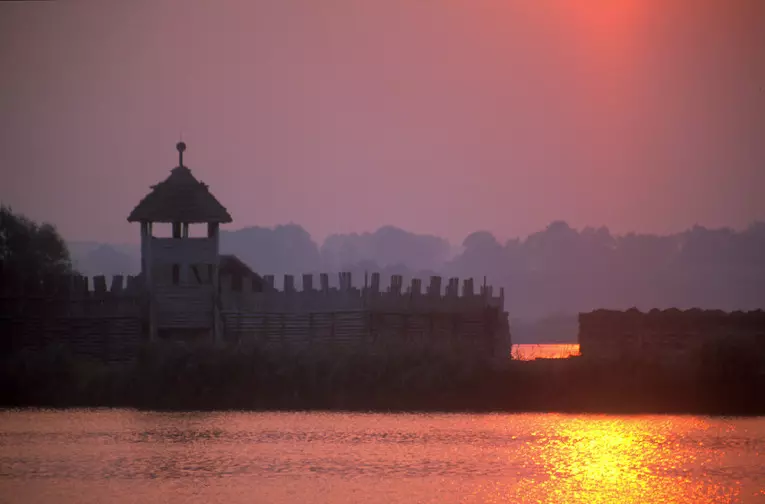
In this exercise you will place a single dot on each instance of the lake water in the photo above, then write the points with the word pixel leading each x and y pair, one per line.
pixel 124 456
pixel 545 351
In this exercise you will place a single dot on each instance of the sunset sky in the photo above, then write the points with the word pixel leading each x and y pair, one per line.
pixel 438 116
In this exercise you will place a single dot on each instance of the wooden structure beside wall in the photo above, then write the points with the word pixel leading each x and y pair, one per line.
pixel 669 336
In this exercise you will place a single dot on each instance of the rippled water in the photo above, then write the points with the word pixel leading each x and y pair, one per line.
pixel 545 351
pixel 120 456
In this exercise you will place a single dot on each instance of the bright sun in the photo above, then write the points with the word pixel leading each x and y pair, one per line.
pixel 607 20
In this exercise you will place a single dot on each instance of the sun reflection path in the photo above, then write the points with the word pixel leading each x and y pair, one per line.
pixel 607 460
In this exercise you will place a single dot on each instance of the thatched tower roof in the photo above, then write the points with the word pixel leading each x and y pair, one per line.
pixel 180 198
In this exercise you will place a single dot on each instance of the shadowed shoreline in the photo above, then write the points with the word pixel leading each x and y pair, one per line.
pixel 174 377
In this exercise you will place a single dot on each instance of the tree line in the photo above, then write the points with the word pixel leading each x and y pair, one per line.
pixel 28 250
pixel 557 271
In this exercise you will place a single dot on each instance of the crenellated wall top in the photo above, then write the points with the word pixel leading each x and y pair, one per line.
pixel 436 295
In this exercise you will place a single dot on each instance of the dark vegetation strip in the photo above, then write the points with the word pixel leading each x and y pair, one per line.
pixel 205 377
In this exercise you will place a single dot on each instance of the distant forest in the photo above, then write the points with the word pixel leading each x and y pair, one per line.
pixel 548 277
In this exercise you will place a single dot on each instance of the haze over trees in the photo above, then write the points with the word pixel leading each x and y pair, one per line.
pixel 556 272
pixel 388 246
pixel 93 258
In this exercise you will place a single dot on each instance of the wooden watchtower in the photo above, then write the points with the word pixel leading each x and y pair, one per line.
pixel 180 273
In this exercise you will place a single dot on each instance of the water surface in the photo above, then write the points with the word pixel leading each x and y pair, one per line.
pixel 531 351
pixel 121 456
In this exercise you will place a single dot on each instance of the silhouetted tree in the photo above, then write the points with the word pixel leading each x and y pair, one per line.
pixel 29 251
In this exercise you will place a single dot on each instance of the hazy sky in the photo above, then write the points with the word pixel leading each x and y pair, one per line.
pixel 436 116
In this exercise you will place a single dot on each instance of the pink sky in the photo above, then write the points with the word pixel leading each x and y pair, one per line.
pixel 441 116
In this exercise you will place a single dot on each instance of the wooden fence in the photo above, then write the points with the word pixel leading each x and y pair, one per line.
pixel 106 338
pixel 363 327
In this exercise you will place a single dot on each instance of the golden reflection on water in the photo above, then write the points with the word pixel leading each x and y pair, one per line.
pixel 123 456
pixel 530 351
pixel 625 460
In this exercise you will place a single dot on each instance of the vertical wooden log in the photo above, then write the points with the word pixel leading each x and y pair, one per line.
pixel 416 286
pixel 283 331
pixel 396 282
pixel 453 287
pixel 369 326
pixel 116 287
pixel 467 287
pixel 99 286
pixel 289 283
pixel 434 289
pixel 311 329
pixel 238 330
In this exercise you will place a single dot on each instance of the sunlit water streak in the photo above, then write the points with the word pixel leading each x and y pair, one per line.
pixel 545 351
pixel 125 456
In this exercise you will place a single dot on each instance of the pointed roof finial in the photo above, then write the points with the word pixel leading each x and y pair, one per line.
pixel 180 198
pixel 180 146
